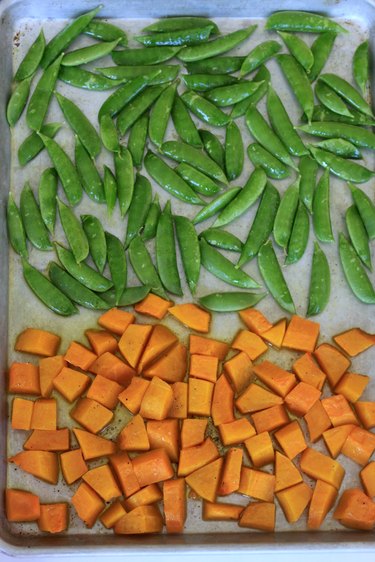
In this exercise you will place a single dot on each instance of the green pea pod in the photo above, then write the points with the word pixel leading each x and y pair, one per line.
pixel 82 78
pixel 299 83
pixel 366 209
pixel 74 232
pixel 117 264
pixel 361 66
pixel 259 55
pixel 46 292
pixel 41 96
pixel 305 22
pixel 262 225
pixel 354 272
pixel 34 226
pixel 197 180
pixel 139 208
pixel 135 109
pixel 213 147
pixel 260 157
pixel 321 49
pixel 270 270
pixel 219 203
pixel 104 31
pixel 182 152
pixel 234 152
pixel 341 167
pixel 47 192
pixel 143 266
pixel 31 60
pixel 231 301
pixel 222 239
pixel 88 54
pixel 286 212
pixel 85 274
pixel 330 99
pixel 137 139
pixel 193 36
pixel 184 124
pixel 230 95
pixel 217 46
pixel 152 219
pixel 17 101
pixel 321 210
pixel 299 236
pixel 108 133
pixel 149 55
pixel 308 169
pixel 283 126
pixel 65 169
pixel 66 36
pixel 130 296
pixel 245 199
pixel 206 82
pixel 179 23
pixel 81 126
pixel 88 173
pixel 16 231
pixel 341 147
pixel 169 180
pixel 110 189
pixel 166 252
pixel 96 238
pixel 223 269
pixel 358 235
pixel 159 115
pixel 167 73
pixel 320 282
pixel 346 91
pixel 215 65
pixel 263 78
pixel 298 48
pixel 125 178
pixel 357 135
pixel 33 144
pixel 205 110
pixel 73 289
pixel 189 249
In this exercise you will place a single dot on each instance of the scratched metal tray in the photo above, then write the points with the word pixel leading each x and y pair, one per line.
pixel 20 23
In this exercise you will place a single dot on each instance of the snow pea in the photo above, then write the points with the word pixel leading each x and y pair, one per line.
pixel 230 301
pixel 104 31
pixel 205 110
pixel 197 180
pixel 143 266
pixel 85 274
pixel 17 101
pixel 41 96
pixel 179 23
pixel 234 151
pixel 305 22
pixel 31 60
pixel 137 139
pixel 139 208
pixel 148 55
pixel 321 209
pixel 167 73
pixel 215 65
pixel 260 157
pixel 124 172
pixel 354 272
pixel 219 203
pixel 341 147
pixel 136 108
pixel 358 235
pixel 321 49
pixel 232 94
pixel 184 124
pixel 323 114
pixel 298 48
pixel 16 231
pixel 299 83
pixel 320 282
pixel 308 169
pixel 192 36
pixel 47 192
pixel 341 167
pixel 285 215
pixel 82 78
pixel 166 252
pixel 206 82
pixel 366 209
pixel 74 232
pixel 159 115
pixel 117 264
pixel 273 277
pixel 182 152
pixel 130 296
pixel 346 91
pixel 108 133
pixel 33 144
pixel 88 54
pixel 110 189
pixel 73 289
pixel 222 239
pixel 213 147
pixel 34 226
pixel 88 173
pixel 299 235
pixel 263 78
pixel 259 55
pixel 361 66
pixel 189 249
pixel 96 238
pixel 152 219
pixel 357 135
pixel 331 100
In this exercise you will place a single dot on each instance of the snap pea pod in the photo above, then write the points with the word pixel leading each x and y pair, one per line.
pixel 110 189
pixel 124 172
pixel 197 180
pixel 223 269
pixel 139 208
pixel 179 23
pixel 182 152
pixel 152 219
pixel 234 151
pixel 260 157
pixel 298 48
pixel 31 60
pixel 213 147
pixel 205 110
pixel 354 272
pixel 46 292
pixel 262 225
pixel 148 55
pixel 263 78
pixel 88 173
pixel 361 66
pixel 299 83
pixel 230 95
pixel 206 82
pixel 320 282
pixel 341 167
pixel 137 139
pixel 246 197
pixel 39 102
pixel 305 22
pixel 130 296
pixel 159 115
pixel 193 36
pixel 104 31
pixel 65 170
pixel 167 73
pixel 331 100
pixel 346 91
pixel 308 169
pixel 222 239
pixel 66 36
pixel 117 264
pixel 17 101
pixel 366 209
pixel 321 209
pixel 73 289
pixel 108 133
pixel 231 301
pixel 34 226
pixel 143 266
pixel 286 212
pixel 81 126
pixel 299 236
pixel 96 238
pixel 169 180
pixel 341 147
pixel 189 249
pixel 88 54
pixel 184 124
pixel 16 231
pixel 85 274
pixel 358 235
pixel 166 252
pixel 216 65
pixel 259 55
pixel 321 49
pixel 357 135
pixel 217 46
pixel 273 277
pixel 82 78
pixel 137 107
pixel 323 114
pixel 283 126
pixel 74 232
pixel 47 192
pixel 33 144
pixel 219 203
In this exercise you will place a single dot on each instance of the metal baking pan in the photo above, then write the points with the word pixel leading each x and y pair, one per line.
pixel 20 21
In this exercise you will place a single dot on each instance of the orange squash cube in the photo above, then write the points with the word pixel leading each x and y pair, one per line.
pixel 73 465
pixel 179 406
pixel 275 335
pixel 277 379
pixel 335 438
pixel 133 342
pixel 133 437
pixel 301 334
pixel 122 466
pixel 196 456
pixel 366 413
pixel 113 368
pixel 154 306
pixel 164 434
pixel 339 410
pixel 207 346
pixel 133 395
pixel 23 379
pixel 204 481
pixel 367 475
pixel 320 467
pixel 200 397
pixel 270 419
pixel 41 464
pixel 239 369
pixel 174 496
pixel 192 432
pixel 145 496
pixel 91 415
pixel 291 439
pixel 112 514
pixel 354 341
pixel 302 398
pixel 352 386
pixel 53 517
pixel 222 402
pixel 332 362
pixel 141 520
pixel 48 440
pixel 203 367
pixel 214 511
pixel 192 316
pixel 37 342
pixel 116 320
pixel 235 432
pixel 256 398
pixel 171 366
pixel 101 480
pixel 317 421
pixel 255 320
pixel 21 505
pixel 161 340
pixel 49 368
pixel 259 515
pixel 286 474
pixel 323 498
pixel 44 414
pixel 250 343
pixel 294 500
pixel 230 477
pixel 359 445
pixel 101 341
pixel 105 391
pixel 152 467
pixel 93 446
pixel 355 510
pixel 71 383
pixel 157 400
pixel 257 484
pixel 88 504
pixel 308 371
pixel 22 412
pixel 260 449
pixel 79 356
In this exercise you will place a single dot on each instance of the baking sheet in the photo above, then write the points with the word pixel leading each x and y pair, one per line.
pixel 343 311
